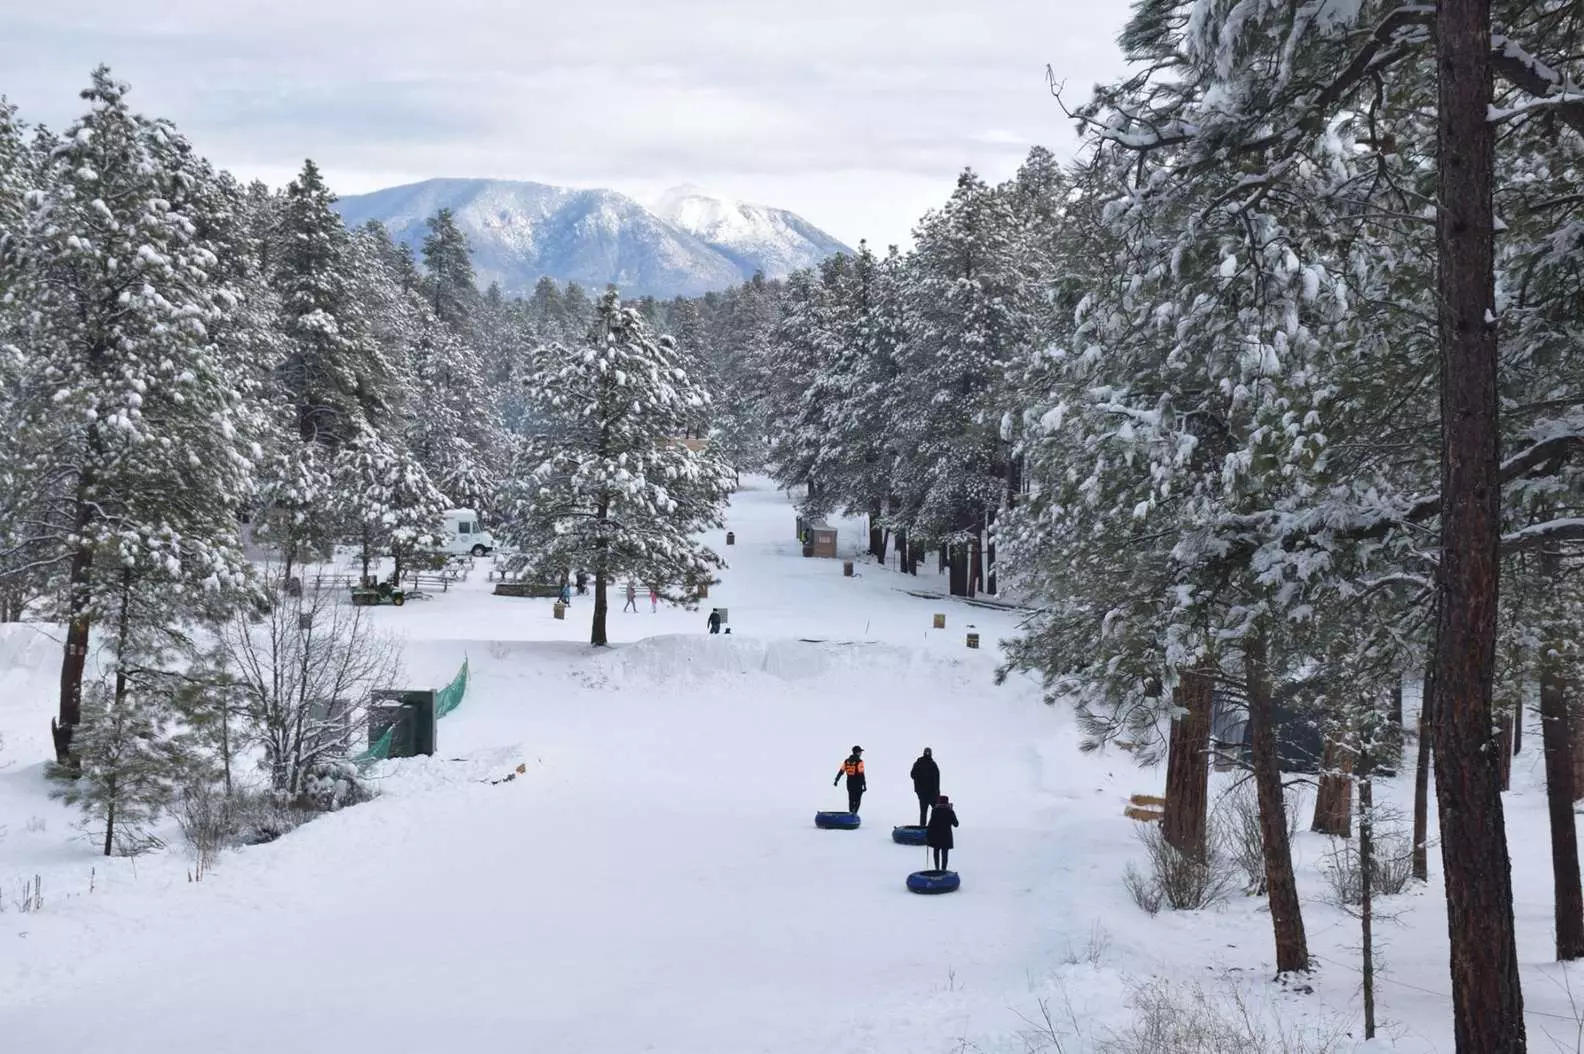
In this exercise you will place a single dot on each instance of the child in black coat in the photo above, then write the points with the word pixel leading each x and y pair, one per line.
pixel 939 834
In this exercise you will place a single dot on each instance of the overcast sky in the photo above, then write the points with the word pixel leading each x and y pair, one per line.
pixel 855 114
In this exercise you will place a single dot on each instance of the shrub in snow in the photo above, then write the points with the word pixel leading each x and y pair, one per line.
pixel 207 822
pixel 1182 881
pixel 1391 867
pixel 259 818
pixel 331 784
pixel 1237 829
pixel 1173 1018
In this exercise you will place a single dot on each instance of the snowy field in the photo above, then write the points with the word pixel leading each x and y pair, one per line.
pixel 654 881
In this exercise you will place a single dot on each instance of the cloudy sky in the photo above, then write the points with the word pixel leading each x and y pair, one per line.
pixel 855 114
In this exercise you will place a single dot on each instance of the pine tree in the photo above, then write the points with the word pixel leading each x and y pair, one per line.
pixel 606 486
pixel 970 317
pixel 125 400
pixel 387 498
pixel 449 285
pixel 334 371
pixel 131 765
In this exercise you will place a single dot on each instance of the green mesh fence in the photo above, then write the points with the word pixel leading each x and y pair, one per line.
pixel 447 699
pixel 378 751
pixel 450 697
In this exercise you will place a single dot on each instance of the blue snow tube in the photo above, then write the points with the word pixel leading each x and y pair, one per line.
pixel 933 882
pixel 909 835
pixel 836 821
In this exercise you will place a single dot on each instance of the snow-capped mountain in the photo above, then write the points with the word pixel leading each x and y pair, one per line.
pixel 690 243
pixel 755 236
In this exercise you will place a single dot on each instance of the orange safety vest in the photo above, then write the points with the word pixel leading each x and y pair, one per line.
pixel 851 768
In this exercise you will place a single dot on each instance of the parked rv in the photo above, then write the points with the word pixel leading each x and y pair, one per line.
pixel 461 533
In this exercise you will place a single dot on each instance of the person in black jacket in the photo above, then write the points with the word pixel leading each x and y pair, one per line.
pixel 853 769
pixel 714 621
pixel 939 835
pixel 926 783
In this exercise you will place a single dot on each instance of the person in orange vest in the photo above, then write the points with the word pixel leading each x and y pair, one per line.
pixel 853 769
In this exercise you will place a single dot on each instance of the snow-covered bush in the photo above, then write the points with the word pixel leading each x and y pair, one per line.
pixel 331 784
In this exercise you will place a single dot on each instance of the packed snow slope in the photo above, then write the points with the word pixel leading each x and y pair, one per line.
pixel 654 881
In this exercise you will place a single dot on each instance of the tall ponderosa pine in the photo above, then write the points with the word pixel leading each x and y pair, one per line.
pixel 334 370
pixel 449 284
pixel 125 406
pixel 606 485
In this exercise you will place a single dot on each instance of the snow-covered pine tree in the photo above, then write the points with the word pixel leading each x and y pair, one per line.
pixel 805 387
pixel 21 576
pixel 125 405
pixel 387 498
pixel 606 485
pixel 970 313
pixel 132 763
pixel 449 284
pixel 334 370
pixel 14 165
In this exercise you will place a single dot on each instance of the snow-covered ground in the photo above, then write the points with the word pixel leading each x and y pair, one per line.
pixel 654 881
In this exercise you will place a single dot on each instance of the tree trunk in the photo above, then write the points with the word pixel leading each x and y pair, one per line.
pixel 1504 747
pixel 1518 715
pixel 959 570
pixel 1575 708
pixel 877 537
pixel 1557 745
pixel 976 564
pixel 990 553
pixel 1365 769
pixel 78 623
pixel 1333 812
pixel 110 811
pixel 1292 947
pixel 601 609
pixel 1394 725
pixel 1487 998
pixel 1186 818
pixel 1421 802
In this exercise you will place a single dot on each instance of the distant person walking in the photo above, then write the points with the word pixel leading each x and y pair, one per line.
pixel 714 621
pixel 654 599
pixel 632 599
pixel 939 835
pixel 926 783
pixel 566 594
pixel 853 769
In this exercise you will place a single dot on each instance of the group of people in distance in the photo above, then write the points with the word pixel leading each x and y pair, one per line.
pixel 936 814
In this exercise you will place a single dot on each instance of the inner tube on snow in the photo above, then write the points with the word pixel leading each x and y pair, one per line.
pixel 909 835
pixel 933 882
pixel 836 821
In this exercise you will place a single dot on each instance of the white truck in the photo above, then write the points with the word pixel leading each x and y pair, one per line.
pixel 461 534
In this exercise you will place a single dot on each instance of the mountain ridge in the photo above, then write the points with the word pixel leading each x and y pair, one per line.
pixel 689 243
